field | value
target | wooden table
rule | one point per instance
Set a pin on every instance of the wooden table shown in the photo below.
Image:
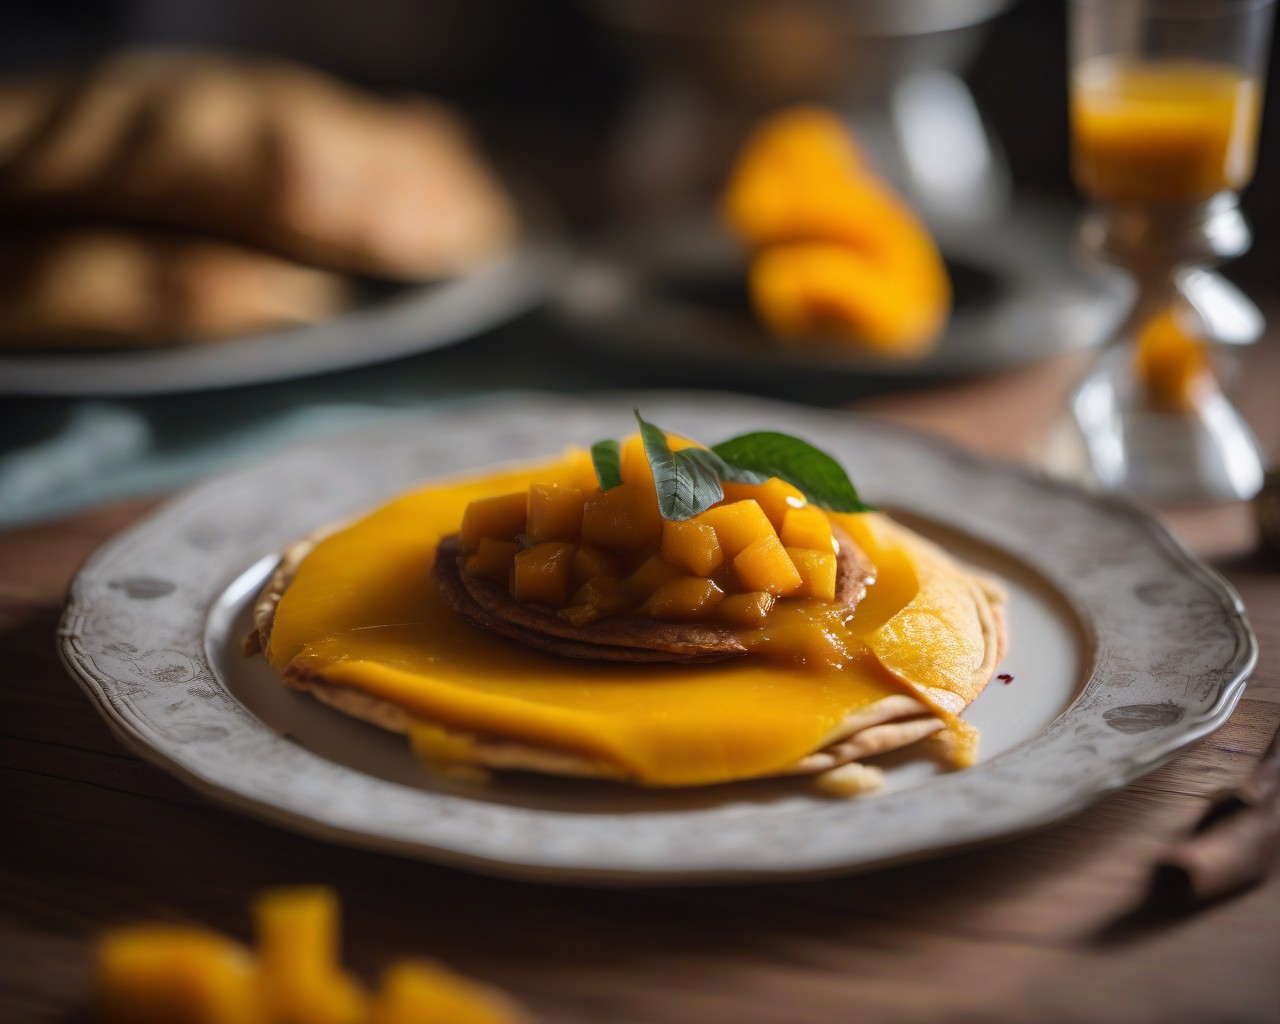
(1038, 929)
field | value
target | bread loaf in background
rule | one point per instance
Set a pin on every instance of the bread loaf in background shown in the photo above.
(96, 287)
(261, 152)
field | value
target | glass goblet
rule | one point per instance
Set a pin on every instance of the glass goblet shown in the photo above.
(1166, 101)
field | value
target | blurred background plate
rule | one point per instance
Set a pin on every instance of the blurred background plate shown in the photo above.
(676, 292)
(386, 322)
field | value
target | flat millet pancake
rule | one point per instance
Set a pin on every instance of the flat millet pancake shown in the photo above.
(618, 637)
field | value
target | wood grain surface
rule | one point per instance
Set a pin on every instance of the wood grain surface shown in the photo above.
(1046, 928)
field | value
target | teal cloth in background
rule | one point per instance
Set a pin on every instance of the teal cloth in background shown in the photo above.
(60, 455)
(107, 451)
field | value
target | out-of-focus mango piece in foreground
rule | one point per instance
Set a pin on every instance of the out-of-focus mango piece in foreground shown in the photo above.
(300, 978)
(1172, 366)
(161, 974)
(421, 992)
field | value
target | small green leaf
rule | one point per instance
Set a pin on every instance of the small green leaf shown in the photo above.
(816, 474)
(687, 481)
(731, 474)
(606, 460)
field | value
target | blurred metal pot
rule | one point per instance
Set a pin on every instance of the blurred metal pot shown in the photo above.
(710, 68)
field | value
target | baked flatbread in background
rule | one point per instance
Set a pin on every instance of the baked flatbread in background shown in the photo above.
(264, 153)
(122, 288)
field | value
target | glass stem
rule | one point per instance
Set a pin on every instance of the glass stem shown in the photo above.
(1155, 292)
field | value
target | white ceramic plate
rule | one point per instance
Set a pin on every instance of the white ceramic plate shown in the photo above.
(397, 322)
(1124, 649)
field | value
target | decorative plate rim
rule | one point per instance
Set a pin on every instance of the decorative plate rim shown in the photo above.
(1104, 539)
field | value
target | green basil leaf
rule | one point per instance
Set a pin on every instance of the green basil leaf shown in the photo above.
(606, 460)
(687, 481)
(731, 474)
(816, 474)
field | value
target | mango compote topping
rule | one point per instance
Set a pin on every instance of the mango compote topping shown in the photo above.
(836, 254)
(1166, 132)
(760, 558)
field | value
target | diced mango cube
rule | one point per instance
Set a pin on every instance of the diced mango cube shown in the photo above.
(737, 525)
(419, 992)
(493, 560)
(688, 598)
(746, 611)
(776, 497)
(596, 599)
(654, 572)
(765, 565)
(501, 518)
(300, 978)
(807, 527)
(555, 513)
(692, 546)
(160, 974)
(592, 563)
(541, 574)
(817, 571)
(580, 471)
(622, 519)
(635, 461)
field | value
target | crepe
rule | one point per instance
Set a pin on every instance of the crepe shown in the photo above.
(352, 617)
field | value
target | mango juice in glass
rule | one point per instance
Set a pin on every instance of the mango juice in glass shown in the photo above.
(1164, 132)
(1166, 98)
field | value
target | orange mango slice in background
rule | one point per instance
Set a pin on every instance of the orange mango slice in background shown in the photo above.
(838, 255)
(807, 289)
